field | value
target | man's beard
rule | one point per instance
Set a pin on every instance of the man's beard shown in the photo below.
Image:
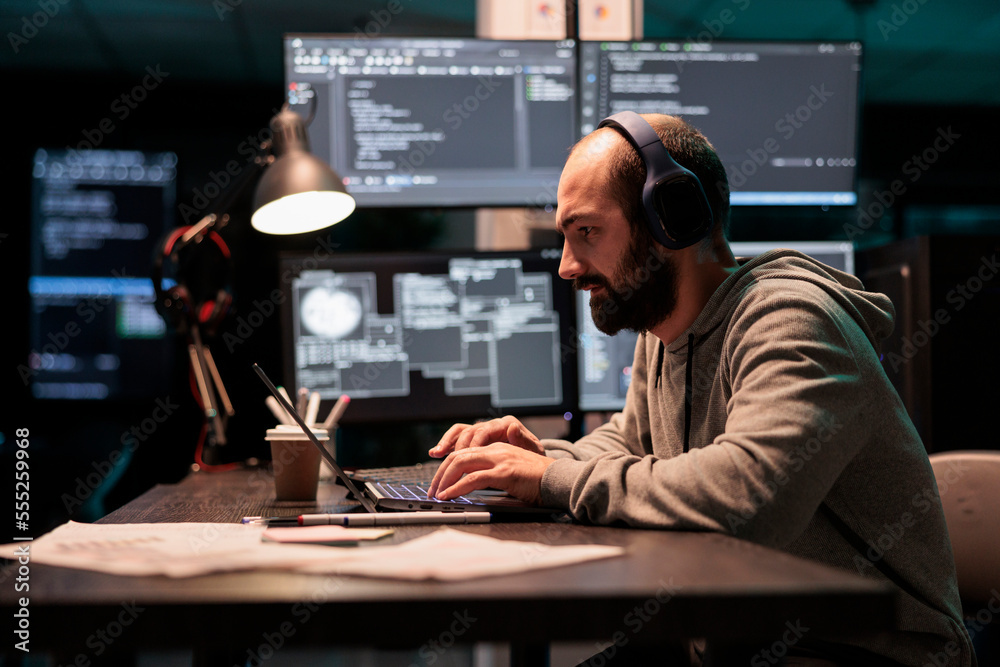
(644, 292)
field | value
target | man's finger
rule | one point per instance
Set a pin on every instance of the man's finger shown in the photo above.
(463, 440)
(443, 470)
(493, 431)
(479, 479)
(447, 441)
(515, 435)
(461, 463)
(519, 436)
(439, 475)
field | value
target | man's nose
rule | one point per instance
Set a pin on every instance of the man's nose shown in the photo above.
(569, 267)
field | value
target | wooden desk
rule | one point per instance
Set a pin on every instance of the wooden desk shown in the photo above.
(669, 585)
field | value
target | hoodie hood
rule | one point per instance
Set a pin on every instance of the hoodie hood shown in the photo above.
(872, 311)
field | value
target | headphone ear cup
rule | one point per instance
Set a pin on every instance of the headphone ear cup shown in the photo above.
(677, 210)
(655, 213)
(212, 313)
(682, 211)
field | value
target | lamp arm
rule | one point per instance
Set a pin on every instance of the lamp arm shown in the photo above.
(218, 217)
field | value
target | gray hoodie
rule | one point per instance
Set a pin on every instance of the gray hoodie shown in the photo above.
(771, 419)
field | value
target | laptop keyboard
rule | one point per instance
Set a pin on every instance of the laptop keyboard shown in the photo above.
(412, 482)
(412, 492)
(421, 473)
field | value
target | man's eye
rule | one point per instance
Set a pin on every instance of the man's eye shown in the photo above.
(586, 230)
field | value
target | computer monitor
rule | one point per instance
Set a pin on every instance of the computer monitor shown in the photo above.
(604, 363)
(783, 116)
(426, 336)
(437, 121)
(96, 217)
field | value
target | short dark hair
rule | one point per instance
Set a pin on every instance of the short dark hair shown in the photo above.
(690, 148)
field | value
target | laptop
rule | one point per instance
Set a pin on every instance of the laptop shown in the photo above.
(376, 496)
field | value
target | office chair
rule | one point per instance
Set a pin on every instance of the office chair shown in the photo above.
(969, 484)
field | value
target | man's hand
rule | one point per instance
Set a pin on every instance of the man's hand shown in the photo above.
(502, 466)
(505, 429)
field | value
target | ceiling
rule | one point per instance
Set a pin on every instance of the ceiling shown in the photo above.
(926, 52)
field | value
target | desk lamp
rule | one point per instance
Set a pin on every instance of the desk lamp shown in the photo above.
(297, 193)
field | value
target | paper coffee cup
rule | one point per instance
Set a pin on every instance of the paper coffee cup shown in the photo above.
(295, 461)
(325, 471)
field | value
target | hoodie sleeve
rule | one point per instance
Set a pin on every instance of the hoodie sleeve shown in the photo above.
(795, 418)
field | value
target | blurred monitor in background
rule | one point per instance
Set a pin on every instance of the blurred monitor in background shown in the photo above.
(96, 217)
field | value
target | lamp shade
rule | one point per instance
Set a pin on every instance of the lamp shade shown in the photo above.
(298, 192)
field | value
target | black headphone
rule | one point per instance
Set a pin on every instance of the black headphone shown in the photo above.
(176, 304)
(677, 210)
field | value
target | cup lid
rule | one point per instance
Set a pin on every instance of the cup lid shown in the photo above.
(295, 434)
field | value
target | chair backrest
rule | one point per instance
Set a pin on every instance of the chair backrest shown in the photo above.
(969, 484)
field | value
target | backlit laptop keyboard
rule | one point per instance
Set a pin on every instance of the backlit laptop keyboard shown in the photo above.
(421, 473)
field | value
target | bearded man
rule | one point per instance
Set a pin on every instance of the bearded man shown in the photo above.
(758, 405)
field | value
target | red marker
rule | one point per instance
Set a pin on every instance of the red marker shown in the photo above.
(336, 412)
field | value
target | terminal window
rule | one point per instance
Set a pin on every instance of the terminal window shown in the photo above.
(783, 116)
(437, 122)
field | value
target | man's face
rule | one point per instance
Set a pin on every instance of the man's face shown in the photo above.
(642, 292)
(631, 279)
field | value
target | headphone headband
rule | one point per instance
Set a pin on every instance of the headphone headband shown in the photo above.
(677, 211)
(178, 306)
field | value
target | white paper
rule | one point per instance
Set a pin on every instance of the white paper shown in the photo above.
(453, 555)
(171, 549)
(329, 535)
(192, 549)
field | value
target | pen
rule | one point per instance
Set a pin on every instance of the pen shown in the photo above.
(279, 412)
(284, 394)
(300, 404)
(337, 411)
(393, 518)
(312, 407)
(271, 520)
